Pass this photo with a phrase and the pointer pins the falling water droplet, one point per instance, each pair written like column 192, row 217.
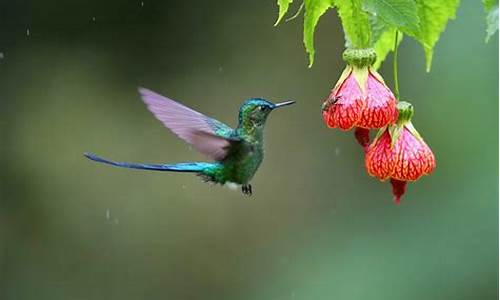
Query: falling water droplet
column 1, row 55
column 142, row 3
column 93, row 19
column 28, row 32
column 337, row 151
column 108, row 214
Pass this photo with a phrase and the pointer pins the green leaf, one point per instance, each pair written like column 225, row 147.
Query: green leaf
column 385, row 44
column 488, row 4
column 355, row 23
column 283, row 8
column 433, row 15
column 491, row 7
column 401, row 14
column 314, row 9
column 382, row 39
column 377, row 28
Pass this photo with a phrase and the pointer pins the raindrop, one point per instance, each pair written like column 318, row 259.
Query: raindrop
column 108, row 214
column 337, row 151
column 1, row 55
column 93, row 19
column 142, row 3
column 28, row 32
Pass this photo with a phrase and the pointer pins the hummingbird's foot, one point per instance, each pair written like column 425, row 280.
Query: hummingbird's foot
column 246, row 189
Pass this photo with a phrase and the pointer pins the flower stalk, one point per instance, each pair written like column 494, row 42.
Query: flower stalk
column 395, row 65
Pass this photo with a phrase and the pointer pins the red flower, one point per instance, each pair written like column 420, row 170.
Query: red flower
column 399, row 153
column 360, row 98
column 380, row 107
column 345, row 105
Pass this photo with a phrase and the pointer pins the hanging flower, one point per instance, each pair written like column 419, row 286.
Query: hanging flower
column 399, row 153
column 360, row 98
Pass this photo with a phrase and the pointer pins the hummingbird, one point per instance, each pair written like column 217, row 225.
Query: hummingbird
column 236, row 153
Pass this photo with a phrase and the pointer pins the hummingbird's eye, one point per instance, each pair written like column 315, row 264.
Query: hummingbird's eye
column 262, row 108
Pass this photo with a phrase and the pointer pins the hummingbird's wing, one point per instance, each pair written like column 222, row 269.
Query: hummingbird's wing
column 205, row 134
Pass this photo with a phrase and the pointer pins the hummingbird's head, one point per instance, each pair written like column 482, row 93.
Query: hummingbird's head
column 255, row 111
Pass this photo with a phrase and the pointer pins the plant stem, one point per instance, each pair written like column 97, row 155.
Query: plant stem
column 296, row 14
column 395, row 66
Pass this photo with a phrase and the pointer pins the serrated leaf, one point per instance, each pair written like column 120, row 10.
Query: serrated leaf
column 385, row 44
column 283, row 8
column 354, row 22
column 377, row 28
column 314, row 9
column 433, row 15
column 401, row 14
column 491, row 21
column 382, row 39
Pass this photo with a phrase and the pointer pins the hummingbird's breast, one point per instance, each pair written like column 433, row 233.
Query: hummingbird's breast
column 244, row 162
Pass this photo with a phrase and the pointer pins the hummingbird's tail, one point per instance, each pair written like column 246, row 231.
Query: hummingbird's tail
column 194, row 167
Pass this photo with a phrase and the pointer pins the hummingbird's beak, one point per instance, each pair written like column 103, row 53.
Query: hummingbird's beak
column 281, row 104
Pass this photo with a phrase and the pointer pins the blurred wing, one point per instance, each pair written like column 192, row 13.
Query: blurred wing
column 206, row 135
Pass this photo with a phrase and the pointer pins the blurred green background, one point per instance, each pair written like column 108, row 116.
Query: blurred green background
column 317, row 227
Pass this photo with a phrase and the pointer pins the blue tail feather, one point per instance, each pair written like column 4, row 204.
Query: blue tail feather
column 195, row 167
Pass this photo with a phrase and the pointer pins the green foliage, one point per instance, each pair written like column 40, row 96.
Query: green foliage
column 433, row 14
column 488, row 4
column 355, row 23
column 283, row 8
column 382, row 32
column 385, row 44
column 491, row 8
column 373, row 23
column 314, row 9
column 398, row 13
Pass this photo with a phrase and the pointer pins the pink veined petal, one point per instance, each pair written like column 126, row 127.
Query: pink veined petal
column 414, row 159
column 348, row 104
column 380, row 158
column 380, row 107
